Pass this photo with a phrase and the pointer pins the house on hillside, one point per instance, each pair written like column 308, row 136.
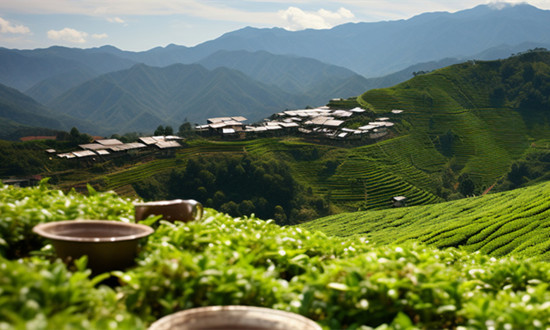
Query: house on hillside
column 224, row 126
column 399, row 201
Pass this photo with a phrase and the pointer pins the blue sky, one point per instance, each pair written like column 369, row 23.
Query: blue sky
column 143, row 24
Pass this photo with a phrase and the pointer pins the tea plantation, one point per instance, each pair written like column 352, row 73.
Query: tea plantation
column 220, row 260
column 514, row 222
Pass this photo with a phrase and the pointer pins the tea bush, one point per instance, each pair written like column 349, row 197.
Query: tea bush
column 23, row 208
column 37, row 294
column 221, row 260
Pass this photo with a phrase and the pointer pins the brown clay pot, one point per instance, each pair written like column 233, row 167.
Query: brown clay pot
column 234, row 317
column 173, row 210
column 109, row 245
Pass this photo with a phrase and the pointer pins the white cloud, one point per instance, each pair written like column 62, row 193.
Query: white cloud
column 8, row 27
column 498, row 5
column 69, row 35
column 100, row 36
column 116, row 20
column 297, row 19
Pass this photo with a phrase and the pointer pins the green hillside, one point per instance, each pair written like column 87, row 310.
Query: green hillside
column 349, row 178
column 479, row 115
column 514, row 222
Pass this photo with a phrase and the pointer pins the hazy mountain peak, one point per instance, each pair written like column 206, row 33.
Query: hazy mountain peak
column 503, row 5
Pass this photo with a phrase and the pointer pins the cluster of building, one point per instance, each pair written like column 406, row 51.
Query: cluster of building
column 108, row 147
column 319, row 122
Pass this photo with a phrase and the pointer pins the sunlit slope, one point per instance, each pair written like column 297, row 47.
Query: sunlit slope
column 363, row 177
column 368, row 177
column 516, row 222
column 491, row 109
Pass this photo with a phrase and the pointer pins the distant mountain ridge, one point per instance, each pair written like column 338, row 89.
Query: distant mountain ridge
column 22, row 69
column 292, row 74
column 143, row 97
column 376, row 49
column 20, row 112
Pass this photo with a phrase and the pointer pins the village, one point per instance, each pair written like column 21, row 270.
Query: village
column 321, row 123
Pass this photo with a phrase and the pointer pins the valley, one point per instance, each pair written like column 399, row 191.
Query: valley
column 452, row 138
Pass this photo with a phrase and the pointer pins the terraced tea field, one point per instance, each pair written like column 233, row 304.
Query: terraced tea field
column 515, row 222
column 486, row 139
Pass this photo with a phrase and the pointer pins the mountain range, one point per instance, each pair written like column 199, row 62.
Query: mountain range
column 142, row 97
column 255, row 72
column 378, row 48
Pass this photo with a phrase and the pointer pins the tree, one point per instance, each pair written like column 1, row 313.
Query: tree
column 159, row 131
column 279, row 215
column 466, row 186
column 246, row 207
column 446, row 143
column 168, row 130
column 62, row 136
column 518, row 173
column 185, row 129
column 219, row 198
column 230, row 208
column 75, row 134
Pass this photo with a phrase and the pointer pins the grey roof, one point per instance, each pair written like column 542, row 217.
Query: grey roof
column 173, row 137
column 367, row 127
column 93, row 146
column 289, row 125
column 239, row 118
column 127, row 146
column 273, row 127
column 216, row 125
column 225, row 119
column 167, row 144
column 148, row 140
column 218, row 120
column 333, row 123
column 342, row 113
column 109, row 142
column 84, row 153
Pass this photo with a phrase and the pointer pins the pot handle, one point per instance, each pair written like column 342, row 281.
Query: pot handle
column 197, row 210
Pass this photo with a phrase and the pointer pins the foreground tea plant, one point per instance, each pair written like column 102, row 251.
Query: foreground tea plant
column 23, row 208
column 220, row 260
column 37, row 294
column 340, row 283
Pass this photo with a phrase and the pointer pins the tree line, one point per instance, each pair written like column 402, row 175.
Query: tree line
column 239, row 185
